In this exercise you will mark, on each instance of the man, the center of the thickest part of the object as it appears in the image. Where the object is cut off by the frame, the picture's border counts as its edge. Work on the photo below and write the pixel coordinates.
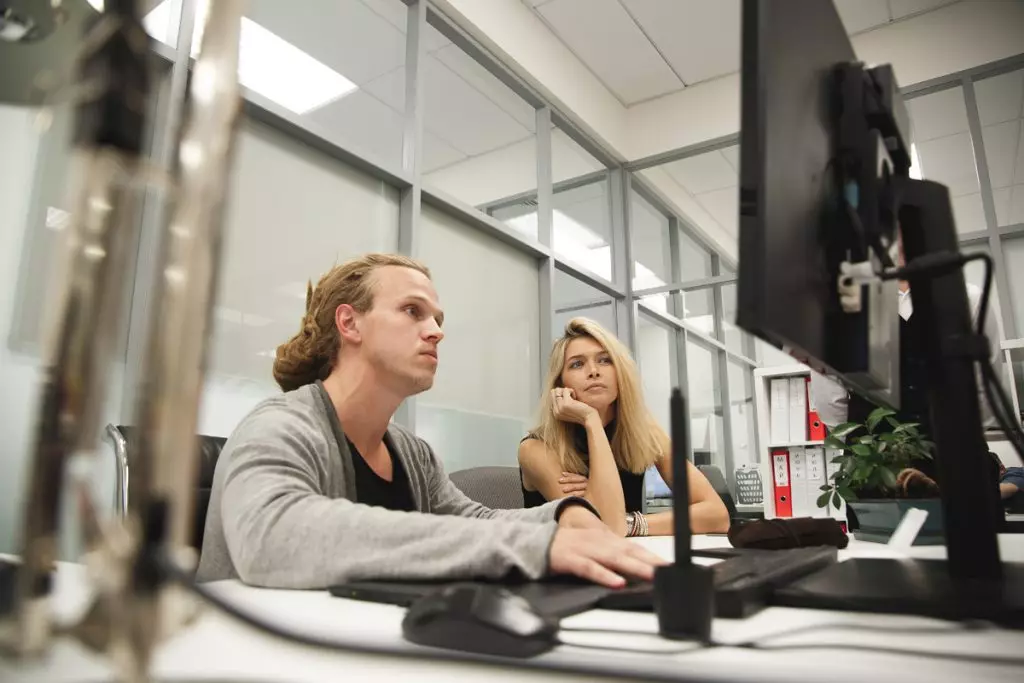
(315, 487)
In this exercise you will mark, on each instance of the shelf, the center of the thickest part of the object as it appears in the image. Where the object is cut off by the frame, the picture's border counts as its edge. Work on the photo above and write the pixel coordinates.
(797, 444)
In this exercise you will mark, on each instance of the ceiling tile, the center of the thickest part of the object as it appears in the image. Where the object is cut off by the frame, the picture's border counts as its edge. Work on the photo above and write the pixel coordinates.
(861, 15)
(568, 159)
(938, 115)
(723, 205)
(396, 13)
(462, 116)
(346, 35)
(437, 153)
(1001, 145)
(389, 88)
(968, 213)
(605, 38)
(455, 111)
(703, 173)
(480, 78)
(732, 155)
(950, 160)
(1010, 205)
(1018, 171)
(699, 38)
(1001, 97)
(365, 123)
(905, 8)
(1001, 198)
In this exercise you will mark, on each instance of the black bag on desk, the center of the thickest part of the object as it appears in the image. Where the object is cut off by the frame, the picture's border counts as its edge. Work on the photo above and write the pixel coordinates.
(779, 534)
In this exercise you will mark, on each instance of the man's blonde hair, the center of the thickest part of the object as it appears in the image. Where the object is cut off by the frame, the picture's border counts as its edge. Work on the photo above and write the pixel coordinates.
(638, 441)
(313, 352)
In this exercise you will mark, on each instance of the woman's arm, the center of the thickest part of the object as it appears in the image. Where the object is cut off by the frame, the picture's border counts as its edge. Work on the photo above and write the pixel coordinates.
(542, 471)
(708, 514)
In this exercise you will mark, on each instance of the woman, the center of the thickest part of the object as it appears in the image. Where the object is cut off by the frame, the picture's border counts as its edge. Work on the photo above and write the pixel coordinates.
(596, 439)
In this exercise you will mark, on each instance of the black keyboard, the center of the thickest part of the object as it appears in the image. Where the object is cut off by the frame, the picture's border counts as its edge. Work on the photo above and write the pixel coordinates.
(744, 583)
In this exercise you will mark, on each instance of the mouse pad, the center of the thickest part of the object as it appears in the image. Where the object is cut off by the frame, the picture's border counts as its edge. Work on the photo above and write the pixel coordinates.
(553, 597)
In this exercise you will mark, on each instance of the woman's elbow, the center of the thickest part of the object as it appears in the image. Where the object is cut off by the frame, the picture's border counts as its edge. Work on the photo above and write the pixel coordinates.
(720, 518)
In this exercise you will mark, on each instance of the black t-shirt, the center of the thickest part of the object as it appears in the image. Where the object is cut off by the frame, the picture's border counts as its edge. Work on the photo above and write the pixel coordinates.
(633, 490)
(371, 489)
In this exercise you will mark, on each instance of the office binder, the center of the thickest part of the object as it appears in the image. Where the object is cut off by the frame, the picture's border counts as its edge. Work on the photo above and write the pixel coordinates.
(815, 427)
(814, 461)
(798, 483)
(780, 483)
(797, 410)
(779, 410)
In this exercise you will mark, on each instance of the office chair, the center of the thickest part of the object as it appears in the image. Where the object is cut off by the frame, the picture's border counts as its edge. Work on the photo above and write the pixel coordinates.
(498, 488)
(210, 447)
(717, 480)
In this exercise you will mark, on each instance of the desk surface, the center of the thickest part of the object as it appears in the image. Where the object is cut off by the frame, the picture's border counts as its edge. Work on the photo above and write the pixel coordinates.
(216, 648)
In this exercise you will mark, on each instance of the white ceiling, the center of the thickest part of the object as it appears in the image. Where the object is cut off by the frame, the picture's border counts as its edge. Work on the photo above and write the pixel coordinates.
(711, 179)
(642, 49)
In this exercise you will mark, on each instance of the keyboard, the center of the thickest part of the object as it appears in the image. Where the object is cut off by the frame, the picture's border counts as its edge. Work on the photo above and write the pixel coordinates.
(744, 583)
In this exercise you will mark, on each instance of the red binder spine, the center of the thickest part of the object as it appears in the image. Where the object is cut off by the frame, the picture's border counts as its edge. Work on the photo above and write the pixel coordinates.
(815, 427)
(780, 484)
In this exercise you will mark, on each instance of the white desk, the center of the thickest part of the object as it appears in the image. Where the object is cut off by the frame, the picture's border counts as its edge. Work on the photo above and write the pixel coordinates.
(215, 648)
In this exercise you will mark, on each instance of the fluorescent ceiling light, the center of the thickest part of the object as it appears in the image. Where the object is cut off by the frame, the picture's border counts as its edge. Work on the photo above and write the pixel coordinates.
(267, 64)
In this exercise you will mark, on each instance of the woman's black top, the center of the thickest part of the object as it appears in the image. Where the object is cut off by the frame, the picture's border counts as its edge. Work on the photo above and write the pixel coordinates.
(632, 483)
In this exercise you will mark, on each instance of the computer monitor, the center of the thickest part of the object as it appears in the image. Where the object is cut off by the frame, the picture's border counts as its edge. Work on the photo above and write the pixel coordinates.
(825, 196)
(795, 227)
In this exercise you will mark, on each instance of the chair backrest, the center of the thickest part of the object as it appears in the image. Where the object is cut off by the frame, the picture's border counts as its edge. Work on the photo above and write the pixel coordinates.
(209, 447)
(498, 488)
(717, 481)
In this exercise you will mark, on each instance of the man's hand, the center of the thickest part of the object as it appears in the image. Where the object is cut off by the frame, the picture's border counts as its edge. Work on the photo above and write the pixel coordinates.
(600, 556)
(910, 476)
(573, 484)
(579, 517)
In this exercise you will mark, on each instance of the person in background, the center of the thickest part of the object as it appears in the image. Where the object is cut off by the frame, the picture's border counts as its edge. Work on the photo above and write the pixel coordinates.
(596, 438)
(835, 405)
(1011, 488)
(317, 487)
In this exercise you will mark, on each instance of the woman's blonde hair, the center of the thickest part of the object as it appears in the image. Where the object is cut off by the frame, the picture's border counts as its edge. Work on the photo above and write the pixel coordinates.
(313, 352)
(637, 442)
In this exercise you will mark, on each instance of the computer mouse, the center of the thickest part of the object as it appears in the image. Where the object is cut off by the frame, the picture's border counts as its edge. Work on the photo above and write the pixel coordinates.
(482, 619)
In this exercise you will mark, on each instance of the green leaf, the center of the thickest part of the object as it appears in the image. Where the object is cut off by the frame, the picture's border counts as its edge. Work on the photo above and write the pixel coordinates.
(823, 499)
(824, 487)
(892, 422)
(847, 493)
(868, 438)
(832, 442)
(906, 427)
(882, 446)
(876, 416)
(837, 501)
(861, 449)
(890, 438)
(839, 459)
(846, 428)
(888, 478)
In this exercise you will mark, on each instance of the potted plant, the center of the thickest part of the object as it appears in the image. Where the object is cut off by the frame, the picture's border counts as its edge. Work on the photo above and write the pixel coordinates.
(870, 460)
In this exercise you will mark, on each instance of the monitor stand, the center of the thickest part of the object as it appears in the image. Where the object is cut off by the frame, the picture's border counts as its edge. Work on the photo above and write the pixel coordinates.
(972, 583)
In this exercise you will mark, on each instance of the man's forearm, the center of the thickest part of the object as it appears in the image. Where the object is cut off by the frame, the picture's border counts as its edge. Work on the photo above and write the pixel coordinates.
(1007, 491)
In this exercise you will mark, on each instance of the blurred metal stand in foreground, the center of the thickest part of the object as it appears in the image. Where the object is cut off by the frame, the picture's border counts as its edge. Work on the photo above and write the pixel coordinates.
(134, 607)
